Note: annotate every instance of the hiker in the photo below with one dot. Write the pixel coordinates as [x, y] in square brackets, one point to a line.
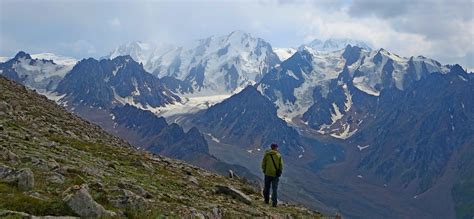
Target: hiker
[272, 166]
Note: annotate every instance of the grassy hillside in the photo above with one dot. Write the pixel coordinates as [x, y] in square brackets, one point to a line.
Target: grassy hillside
[51, 160]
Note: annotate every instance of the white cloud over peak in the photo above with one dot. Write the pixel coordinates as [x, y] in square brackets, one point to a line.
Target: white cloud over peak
[439, 29]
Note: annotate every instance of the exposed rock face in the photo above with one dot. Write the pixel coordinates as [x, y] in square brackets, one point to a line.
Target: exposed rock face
[82, 203]
[234, 121]
[106, 83]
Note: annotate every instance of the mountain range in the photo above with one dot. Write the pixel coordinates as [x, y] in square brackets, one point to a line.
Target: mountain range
[354, 123]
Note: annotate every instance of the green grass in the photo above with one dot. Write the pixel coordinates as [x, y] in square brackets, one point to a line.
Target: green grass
[13, 199]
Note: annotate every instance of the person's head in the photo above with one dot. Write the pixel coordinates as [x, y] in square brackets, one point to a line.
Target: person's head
[274, 146]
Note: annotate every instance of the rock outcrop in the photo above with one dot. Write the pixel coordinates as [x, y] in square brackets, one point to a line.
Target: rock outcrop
[235, 193]
[81, 202]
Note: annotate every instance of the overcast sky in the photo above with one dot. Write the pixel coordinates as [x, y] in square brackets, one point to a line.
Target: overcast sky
[440, 29]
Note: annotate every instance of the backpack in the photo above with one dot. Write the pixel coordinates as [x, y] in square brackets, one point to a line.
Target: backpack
[278, 171]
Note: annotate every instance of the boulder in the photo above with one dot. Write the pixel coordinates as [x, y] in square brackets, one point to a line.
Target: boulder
[7, 155]
[135, 188]
[56, 178]
[13, 214]
[129, 200]
[7, 174]
[81, 202]
[192, 180]
[4, 107]
[233, 175]
[17, 214]
[235, 193]
[25, 179]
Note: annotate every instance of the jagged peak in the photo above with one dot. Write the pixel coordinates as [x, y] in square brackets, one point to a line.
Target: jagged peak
[194, 132]
[124, 58]
[22, 54]
[250, 89]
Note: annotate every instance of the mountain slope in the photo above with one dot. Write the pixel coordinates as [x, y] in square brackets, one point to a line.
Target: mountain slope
[107, 83]
[57, 159]
[248, 119]
[435, 118]
[320, 88]
[145, 130]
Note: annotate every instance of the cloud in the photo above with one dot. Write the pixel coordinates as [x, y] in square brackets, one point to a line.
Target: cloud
[115, 23]
[383, 9]
[444, 28]
[440, 29]
[80, 46]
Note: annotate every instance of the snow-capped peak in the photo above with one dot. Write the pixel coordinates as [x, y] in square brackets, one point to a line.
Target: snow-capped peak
[284, 53]
[39, 71]
[218, 64]
[58, 59]
[140, 51]
[333, 44]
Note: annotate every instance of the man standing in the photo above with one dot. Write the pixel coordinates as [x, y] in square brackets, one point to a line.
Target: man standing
[272, 166]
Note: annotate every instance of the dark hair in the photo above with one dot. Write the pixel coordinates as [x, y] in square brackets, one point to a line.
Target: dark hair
[273, 145]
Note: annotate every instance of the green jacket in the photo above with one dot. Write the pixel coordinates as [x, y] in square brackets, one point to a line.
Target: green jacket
[267, 164]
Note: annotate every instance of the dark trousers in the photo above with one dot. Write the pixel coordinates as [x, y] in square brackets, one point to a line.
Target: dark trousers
[271, 181]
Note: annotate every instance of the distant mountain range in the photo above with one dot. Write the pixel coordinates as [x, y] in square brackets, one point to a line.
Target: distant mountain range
[353, 122]
[218, 64]
[40, 71]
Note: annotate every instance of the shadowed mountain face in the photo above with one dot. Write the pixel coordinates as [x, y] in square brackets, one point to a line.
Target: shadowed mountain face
[150, 132]
[250, 120]
[331, 91]
[414, 134]
[106, 83]
[169, 140]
